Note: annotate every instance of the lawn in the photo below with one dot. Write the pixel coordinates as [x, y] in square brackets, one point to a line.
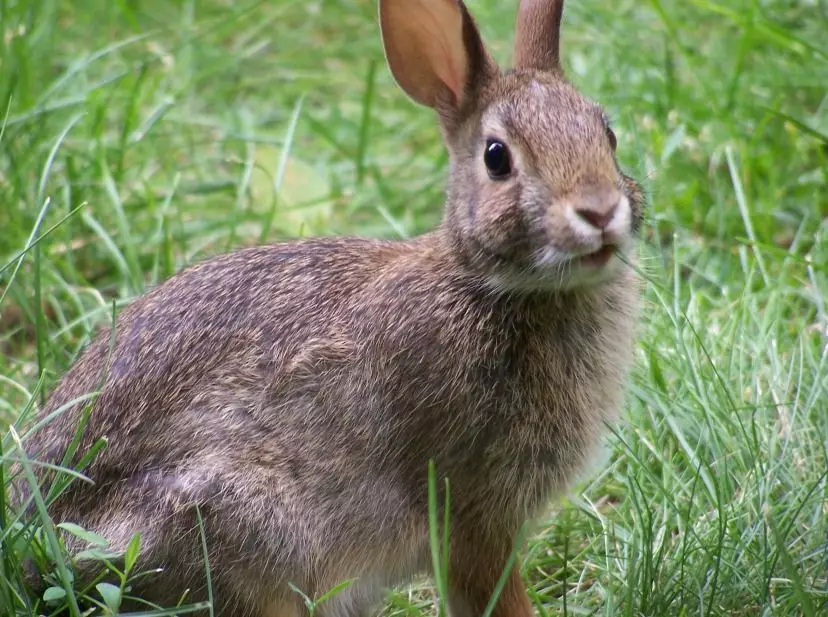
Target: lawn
[139, 137]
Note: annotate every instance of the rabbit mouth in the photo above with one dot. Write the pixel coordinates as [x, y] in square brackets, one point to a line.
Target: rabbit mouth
[599, 258]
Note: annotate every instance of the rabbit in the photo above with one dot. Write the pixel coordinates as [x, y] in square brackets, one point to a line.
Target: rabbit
[292, 395]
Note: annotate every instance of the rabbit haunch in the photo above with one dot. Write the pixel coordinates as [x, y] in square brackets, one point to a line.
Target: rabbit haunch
[296, 392]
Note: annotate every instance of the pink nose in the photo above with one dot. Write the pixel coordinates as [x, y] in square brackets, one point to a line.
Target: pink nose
[598, 218]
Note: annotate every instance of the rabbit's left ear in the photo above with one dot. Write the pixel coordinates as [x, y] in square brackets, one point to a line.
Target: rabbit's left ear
[434, 50]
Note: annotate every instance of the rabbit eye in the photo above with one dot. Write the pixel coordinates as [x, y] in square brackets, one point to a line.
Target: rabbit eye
[612, 138]
[497, 159]
[610, 134]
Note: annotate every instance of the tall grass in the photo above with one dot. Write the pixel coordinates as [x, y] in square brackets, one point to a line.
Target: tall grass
[139, 137]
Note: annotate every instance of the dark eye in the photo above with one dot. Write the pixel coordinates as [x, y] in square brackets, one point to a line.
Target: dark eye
[610, 134]
[612, 138]
[497, 159]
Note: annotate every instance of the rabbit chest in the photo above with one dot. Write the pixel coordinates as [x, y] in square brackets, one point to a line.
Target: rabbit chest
[539, 399]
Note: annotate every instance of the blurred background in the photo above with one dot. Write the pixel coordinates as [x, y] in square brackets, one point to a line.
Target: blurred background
[139, 136]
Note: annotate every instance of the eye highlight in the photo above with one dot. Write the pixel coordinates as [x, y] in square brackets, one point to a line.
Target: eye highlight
[497, 159]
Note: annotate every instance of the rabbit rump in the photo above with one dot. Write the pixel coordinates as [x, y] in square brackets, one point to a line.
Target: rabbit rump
[295, 393]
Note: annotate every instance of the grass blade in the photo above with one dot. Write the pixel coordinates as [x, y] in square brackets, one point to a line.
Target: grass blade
[48, 527]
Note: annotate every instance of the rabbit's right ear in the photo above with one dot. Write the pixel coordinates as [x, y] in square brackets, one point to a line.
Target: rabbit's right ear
[434, 50]
[538, 36]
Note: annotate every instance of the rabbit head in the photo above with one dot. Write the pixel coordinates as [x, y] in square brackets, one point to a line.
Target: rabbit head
[535, 199]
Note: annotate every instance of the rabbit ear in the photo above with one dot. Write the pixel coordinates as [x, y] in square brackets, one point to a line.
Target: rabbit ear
[537, 40]
[433, 50]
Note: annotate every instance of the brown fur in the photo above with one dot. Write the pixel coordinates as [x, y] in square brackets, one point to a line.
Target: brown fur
[537, 41]
[296, 392]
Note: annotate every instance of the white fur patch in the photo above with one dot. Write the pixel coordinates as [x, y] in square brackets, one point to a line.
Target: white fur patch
[618, 229]
[588, 235]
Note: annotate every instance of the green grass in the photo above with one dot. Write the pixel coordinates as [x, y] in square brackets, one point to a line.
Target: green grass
[139, 137]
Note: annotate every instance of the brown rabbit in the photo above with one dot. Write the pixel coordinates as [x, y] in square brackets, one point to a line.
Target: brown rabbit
[296, 392]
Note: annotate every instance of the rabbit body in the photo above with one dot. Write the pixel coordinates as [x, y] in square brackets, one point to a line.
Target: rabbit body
[294, 394]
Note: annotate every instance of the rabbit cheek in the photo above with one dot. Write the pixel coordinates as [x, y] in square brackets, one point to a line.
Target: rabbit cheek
[498, 224]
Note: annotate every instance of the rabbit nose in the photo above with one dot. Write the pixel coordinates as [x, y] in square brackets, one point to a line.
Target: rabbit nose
[597, 215]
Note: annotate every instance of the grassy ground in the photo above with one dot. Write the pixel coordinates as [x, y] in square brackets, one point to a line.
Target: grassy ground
[139, 137]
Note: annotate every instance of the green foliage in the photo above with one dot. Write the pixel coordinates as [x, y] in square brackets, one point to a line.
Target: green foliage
[136, 138]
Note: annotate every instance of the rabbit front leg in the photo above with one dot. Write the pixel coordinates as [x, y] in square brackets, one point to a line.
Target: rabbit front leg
[476, 566]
